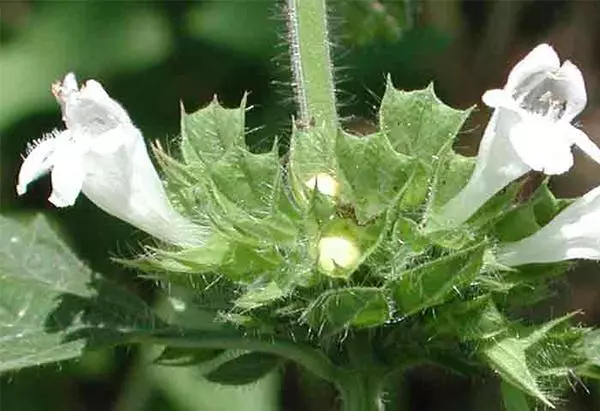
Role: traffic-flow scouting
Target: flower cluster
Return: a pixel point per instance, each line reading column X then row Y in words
column 392, row 230
column 531, row 129
column 102, row 154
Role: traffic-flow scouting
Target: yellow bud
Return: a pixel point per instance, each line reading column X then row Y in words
column 325, row 184
column 337, row 251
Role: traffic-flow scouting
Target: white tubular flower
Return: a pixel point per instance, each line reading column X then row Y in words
column 574, row 233
column 529, row 130
column 103, row 155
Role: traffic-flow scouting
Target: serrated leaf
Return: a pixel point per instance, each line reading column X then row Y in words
column 508, row 358
column 312, row 153
column 234, row 260
column 432, row 283
column 185, row 184
column 417, row 123
column 375, row 173
column 249, row 195
column 244, row 369
column 52, row 305
column 259, row 295
column 353, row 306
column 513, row 398
column 476, row 319
column 451, row 176
column 207, row 134
column 417, row 187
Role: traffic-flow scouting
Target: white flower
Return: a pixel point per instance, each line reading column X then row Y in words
column 530, row 129
column 573, row 233
column 103, row 155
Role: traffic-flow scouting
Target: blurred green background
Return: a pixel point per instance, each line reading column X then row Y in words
column 152, row 55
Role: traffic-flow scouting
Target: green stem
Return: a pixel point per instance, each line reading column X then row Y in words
column 360, row 389
column 311, row 63
column 361, row 392
column 313, row 360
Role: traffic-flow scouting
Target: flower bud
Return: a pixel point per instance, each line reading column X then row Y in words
column 324, row 183
column 337, row 252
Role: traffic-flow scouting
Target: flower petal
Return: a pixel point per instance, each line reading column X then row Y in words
column 499, row 98
column 581, row 140
column 542, row 59
column 94, row 94
column 573, row 233
column 124, row 183
column 89, row 111
column 542, row 145
column 67, row 175
column 497, row 166
column 571, row 80
column 38, row 162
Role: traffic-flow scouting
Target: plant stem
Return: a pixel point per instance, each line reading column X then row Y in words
column 360, row 389
column 361, row 392
column 311, row 63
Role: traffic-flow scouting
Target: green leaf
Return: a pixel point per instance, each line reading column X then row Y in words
column 508, row 358
column 185, row 184
column 346, row 307
column 476, row 319
column 417, row 187
column 244, row 369
column 210, row 132
column 184, row 357
column 376, row 174
column 312, row 153
column 432, row 283
column 513, row 398
column 187, row 390
column 529, row 217
column 235, row 260
column 259, row 295
column 249, row 195
column 212, row 255
column 52, row 305
column 417, row 123
column 451, row 176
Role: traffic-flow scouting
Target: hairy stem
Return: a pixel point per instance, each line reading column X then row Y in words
column 311, row 63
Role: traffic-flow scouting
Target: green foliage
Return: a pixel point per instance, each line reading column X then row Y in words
column 376, row 196
column 418, row 124
column 312, row 153
column 513, row 398
column 244, row 369
column 52, row 306
column 376, row 174
column 430, row 284
column 346, row 307
column 513, row 358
